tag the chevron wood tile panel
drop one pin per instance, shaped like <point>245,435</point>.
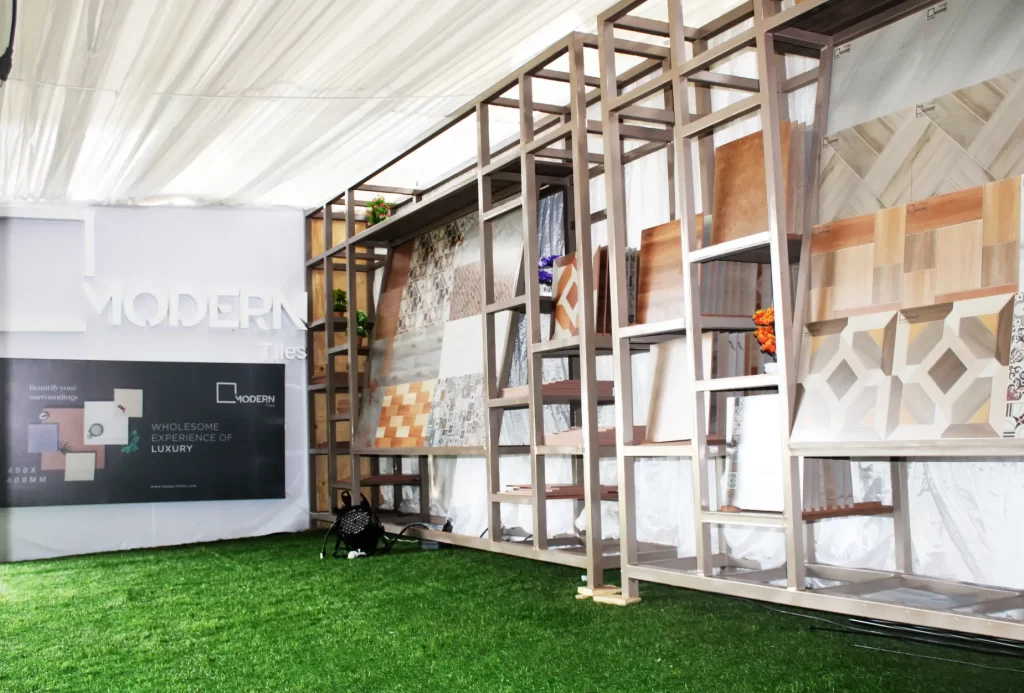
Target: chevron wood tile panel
<point>961,140</point>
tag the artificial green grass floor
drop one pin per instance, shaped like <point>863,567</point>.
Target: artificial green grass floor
<point>268,615</point>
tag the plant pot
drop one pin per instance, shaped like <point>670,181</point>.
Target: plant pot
<point>771,368</point>
<point>339,314</point>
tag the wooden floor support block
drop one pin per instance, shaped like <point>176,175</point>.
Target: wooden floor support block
<point>617,600</point>
<point>602,591</point>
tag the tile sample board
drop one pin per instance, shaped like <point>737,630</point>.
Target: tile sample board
<point>961,140</point>
<point>740,206</point>
<point>957,246</point>
<point>754,446</point>
<point>565,281</point>
<point>659,292</point>
<point>670,408</point>
<point>928,373</point>
<point>425,385</point>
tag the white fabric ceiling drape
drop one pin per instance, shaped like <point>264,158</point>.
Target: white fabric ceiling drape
<point>267,102</point>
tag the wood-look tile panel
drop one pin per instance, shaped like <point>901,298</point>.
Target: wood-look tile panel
<point>740,205</point>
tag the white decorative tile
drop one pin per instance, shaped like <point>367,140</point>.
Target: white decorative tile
<point>128,402</point>
<point>80,466</point>
<point>105,424</point>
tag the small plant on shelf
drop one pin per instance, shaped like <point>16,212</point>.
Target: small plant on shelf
<point>377,210</point>
<point>765,332</point>
<point>340,301</point>
<point>362,324</point>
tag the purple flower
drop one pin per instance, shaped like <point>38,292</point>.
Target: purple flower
<point>547,261</point>
<point>544,277</point>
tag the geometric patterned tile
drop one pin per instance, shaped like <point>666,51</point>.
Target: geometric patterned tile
<point>457,411</point>
<point>404,415</point>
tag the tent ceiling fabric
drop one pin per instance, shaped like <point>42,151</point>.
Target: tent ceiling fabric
<point>268,102</point>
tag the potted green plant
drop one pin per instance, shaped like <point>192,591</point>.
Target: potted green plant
<point>340,303</point>
<point>377,210</point>
<point>362,327</point>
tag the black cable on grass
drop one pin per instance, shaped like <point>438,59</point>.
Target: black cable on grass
<point>939,659</point>
<point>939,638</point>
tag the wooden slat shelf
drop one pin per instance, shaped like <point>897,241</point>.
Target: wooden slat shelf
<point>343,349</point>
<point>570,346</point>
<point>753,248</point>
<point>657,332</point>
<point>560,491</point>
<point>558,392</point>
<point>381,480</point>
<point>858,510</point>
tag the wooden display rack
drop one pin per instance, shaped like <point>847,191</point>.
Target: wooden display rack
<point>811,29</point>
<point>551,152</point>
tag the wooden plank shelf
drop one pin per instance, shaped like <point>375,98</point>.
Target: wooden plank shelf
<point>560,491</point>
<point>570,346</point>
<point>381,480</point>
<point>754,248</point>
<point>858,510</point>
<point>558,392</point>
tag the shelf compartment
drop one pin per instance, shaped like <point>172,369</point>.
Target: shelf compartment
<point>742,382</point>
<point>858,510</point>
<point>518,304</point>
<point>557,392</point>
<point>570,346</point>
<point>381,480</point>
<point>753,248</point>
<point>560,491</point>
<point>746,518</point>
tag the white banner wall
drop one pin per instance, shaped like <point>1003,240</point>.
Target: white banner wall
<point>204,250</point>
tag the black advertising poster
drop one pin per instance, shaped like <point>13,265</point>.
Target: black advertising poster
<point>88,432</point>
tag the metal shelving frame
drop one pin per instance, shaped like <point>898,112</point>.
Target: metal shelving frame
<point>812,28</point>
<point>551,152</point>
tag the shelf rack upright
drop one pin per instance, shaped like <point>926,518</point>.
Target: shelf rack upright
<point>550,152</point>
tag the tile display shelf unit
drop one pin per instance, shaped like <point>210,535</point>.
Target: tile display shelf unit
<point>505,178</point>
<point>809,28</point>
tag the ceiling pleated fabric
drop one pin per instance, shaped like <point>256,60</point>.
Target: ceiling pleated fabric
<point>268,102</point>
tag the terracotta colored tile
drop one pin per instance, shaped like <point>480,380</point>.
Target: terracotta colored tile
<point>958,258</point>
<point>843,234</point>
<point>944,210</point>
<point>919,251</point>
<point>740,196</point>
<point>389,306</point>
<point>565,281</point>
<point>1001,214</point>
<point>975,293</point>
<point>890,225</point>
